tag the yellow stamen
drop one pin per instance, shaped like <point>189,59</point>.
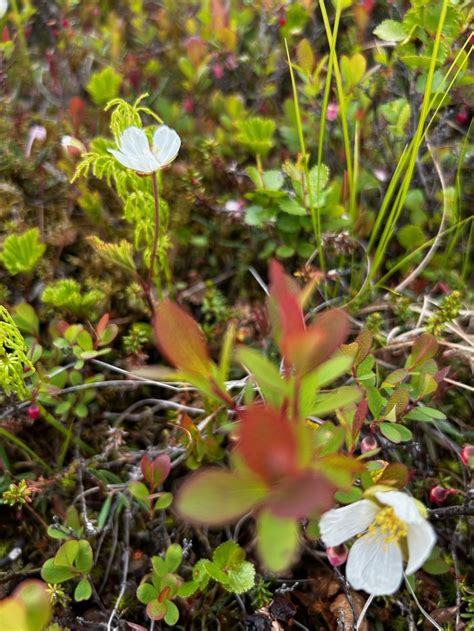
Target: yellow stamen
<point>389,525</point>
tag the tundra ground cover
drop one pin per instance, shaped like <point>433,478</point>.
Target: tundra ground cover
<point>236,346</point>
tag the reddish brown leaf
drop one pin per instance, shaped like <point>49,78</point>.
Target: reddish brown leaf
<point>267,442</point>
<point>302,495</point>
<point>305,351</point>
<point>424,348</point>
<point>155,471</point>
<point>180,339</point>
<point>284,304</point>
<point>359,417</point>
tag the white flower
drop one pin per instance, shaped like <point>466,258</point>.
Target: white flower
<point>135,152</point>
<point>391,528</point>
<point>3,7</point>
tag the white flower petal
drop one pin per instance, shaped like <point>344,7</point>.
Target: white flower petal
<point>375,565</point>
<point>340,524</point>
<point>166,144</point>
<point>134,141</point>
<point>421,539</point>
<point>3,7</point>
<point>404,506</point>
<point>144,164</point>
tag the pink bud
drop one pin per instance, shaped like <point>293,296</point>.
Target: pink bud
<point>462,117</point>
<point>467,456</point>
<point>37,133</point>
<point>72,146</point>
<point>337,555</point>
<point>332,111</point>
<point>438,494</point>
<point>218,71</point>
<point>188,104</point>
<point>369,443</point>
<point>34,412</point>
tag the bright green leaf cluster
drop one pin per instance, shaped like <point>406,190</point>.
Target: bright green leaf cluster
<point>22,253</point>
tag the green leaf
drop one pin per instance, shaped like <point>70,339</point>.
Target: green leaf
<point>391,31</point>
<point>26,319</point>
<point>277,541</point>
<point>228,554</point>
<point>140,492</point>
<point>410,237</point>
<point>348,497</point>
<point>332,369</point>
<point>159,565</point>
<point>256,133</point>
<point>57,533</point>
<point>216,572</point>
<point>85,557</point>
<point>164,501</point>
<point>172,613</point>
<point>56,573</point>
<point>215,496</point>
<point>305,56</point>
<point>319,177</point>
<point>292,207</point>
<point>376,402</point>
<point>337,399</point>
<point>268,378</point>
<point>173,557</point>
<point>188,589</point>
<point>396,433</point>
<point>66,555</point>
<point>241,579</point>
<point>83,590</point>
<point>146,593</point>
<point>21,253</point>
<point>104,86</point>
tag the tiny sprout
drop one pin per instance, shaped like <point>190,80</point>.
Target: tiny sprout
<point>17,494</point>
<point>56,594</point>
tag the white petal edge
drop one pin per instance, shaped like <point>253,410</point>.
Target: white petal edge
<point>340,524</point>
<point>166,144</point>
<point>421,539</point>
<point>404,506</point>
<point>375,565</point>
<point>143,164</point>
<point>134,141</point>
<point>3,7</point>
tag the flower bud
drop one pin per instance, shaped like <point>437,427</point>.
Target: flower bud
<point>332,111</point>
<point>467,456</point>
<point>368,443</point>
<point>439,494</point>
<point>34,412</point>
<point>72,146</point>
<point>337,555</point>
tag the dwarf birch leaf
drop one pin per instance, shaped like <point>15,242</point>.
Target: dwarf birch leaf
<point>391,31</point>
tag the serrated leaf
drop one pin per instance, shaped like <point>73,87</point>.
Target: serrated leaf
<point>240,579</point>
<point>21,253</point>
<point>391,31</point>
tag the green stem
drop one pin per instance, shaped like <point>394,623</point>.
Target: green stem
<point>24,448</point>
<point>156,237</point>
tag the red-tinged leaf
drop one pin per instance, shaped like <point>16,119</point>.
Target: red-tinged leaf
<point>180,339</point>
<point>442,374</point>
<point>301,495</point>
<point>267,442</point>
<point>77,108</point>
<point>359,417</point>
<point>285,309</point>
<point>306,350</point>
<point>216,497</point>
<point>396,475</point>
<point>364,344</point>
<point>424,348</point>
<point>156,610</point>
<point>155,471</point>
<point>102,324</point>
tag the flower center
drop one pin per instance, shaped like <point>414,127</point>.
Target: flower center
<point>389,525</point>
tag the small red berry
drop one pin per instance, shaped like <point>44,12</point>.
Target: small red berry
<point>462,117</point>
<point>467,456</point>
<point>34,412</point>
<point>337,555</point>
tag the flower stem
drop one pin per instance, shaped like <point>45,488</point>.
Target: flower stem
<point>156,237</point>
